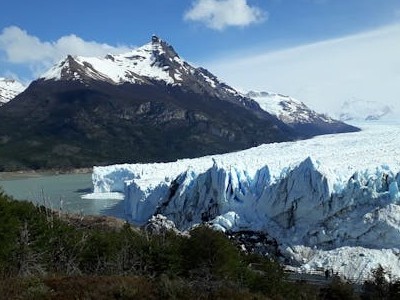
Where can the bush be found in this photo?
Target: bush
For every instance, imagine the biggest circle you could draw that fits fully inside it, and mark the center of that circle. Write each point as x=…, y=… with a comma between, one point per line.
x=210, y=254
x=82, y=262
x=338, y=290
x=381, y=286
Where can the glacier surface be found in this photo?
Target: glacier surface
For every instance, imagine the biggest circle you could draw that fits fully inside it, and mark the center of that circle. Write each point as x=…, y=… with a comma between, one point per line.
x=318, y=198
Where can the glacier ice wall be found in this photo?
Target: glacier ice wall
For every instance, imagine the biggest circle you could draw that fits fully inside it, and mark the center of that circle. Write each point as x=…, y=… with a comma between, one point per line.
x=302, y=206
x=323, y=194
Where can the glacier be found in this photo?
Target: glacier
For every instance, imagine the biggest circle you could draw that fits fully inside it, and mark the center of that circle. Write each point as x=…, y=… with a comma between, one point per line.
x=322, y=199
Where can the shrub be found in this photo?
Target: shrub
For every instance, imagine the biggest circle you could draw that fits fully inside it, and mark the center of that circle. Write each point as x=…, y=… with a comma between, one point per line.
x=381, y=286
x=338, y=290
x=209, y=253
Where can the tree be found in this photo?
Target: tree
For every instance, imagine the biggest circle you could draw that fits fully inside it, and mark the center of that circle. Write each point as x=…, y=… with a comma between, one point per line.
x=338, y=290
x=378, y=286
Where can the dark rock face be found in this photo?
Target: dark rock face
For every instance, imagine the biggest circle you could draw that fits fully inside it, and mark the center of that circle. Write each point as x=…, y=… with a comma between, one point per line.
x=66, y=124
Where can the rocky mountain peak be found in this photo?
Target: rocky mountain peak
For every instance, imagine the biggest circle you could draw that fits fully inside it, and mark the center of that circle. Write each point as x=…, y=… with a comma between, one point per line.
x=160, y=45
x=9, y=89
x=69, y=68
x=153, y=61
x=163, y=53
x=155, y=39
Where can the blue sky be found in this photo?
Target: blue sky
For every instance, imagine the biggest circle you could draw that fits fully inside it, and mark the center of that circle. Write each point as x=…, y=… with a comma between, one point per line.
x=213, y=33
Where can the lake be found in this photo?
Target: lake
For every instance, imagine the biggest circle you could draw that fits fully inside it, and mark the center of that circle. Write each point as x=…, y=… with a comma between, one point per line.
x=59, y=192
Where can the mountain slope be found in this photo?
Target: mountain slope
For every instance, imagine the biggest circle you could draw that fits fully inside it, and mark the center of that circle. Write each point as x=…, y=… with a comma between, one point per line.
x=297, y=115
x=9, y=88
x=147, y=105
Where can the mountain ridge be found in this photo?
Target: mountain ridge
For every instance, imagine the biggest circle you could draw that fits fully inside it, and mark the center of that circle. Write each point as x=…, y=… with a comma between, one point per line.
x=147, y=105
x=362, y=110
x=296, y=114
x=155, y=61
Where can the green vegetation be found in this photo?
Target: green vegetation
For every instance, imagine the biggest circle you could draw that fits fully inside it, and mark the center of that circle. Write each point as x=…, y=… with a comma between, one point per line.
x=45, y=257
x=381, y=286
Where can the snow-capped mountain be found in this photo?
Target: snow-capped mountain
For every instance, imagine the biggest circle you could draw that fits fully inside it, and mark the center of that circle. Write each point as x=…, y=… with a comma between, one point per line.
x=143, y=106
x=9, y=89
x=152, y=61
x=156, y=61
x=362, y=110
x=296, y=114
x=332, y=201
x=286, y=108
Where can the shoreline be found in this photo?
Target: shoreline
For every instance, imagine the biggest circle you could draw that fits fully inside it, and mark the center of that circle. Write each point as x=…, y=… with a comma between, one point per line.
x=39, y=173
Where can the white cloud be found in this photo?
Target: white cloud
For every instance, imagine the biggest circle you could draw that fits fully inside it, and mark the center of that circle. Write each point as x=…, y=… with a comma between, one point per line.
x=22, y=48
x=219, y=14
x=325, y=74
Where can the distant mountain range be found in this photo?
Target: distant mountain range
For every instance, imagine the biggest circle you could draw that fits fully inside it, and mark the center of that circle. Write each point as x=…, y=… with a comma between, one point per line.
x=294, y=113
x=9, y=88
x=361, y=110
x=146, y=105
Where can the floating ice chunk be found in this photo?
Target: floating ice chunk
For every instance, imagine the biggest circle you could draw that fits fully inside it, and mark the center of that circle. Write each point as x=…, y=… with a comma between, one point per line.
x=112, y=195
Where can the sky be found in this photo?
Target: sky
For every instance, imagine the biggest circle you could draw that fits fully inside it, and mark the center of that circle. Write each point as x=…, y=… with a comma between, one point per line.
x=322, y=52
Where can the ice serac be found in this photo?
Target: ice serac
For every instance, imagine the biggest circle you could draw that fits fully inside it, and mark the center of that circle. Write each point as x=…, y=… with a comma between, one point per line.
x=301, y=205
x=316, y=197
x=206, y=196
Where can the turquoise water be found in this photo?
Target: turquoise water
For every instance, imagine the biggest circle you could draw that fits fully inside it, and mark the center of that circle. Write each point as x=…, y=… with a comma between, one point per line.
x=60, y=192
